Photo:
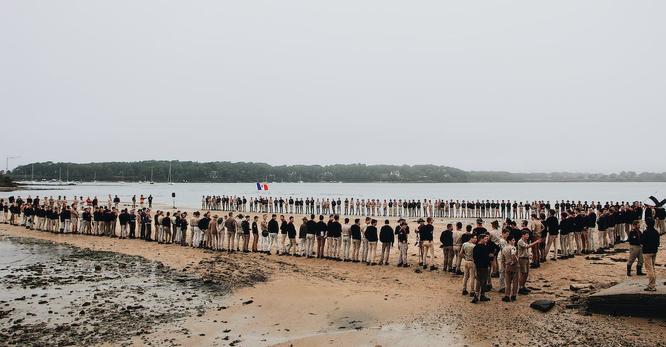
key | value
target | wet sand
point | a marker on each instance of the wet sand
(271, 300)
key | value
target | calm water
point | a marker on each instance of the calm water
(189, 194)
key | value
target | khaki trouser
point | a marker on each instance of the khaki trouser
(635, 252)
(470, 274)
(402, 247)
(510, 283)
(309, 244)
(458, 261)
(346, 243)
(386, 250)
(364, 250)
(552, 241)
(355, 247)
(428, 250)
(448, 257)
(372, 251)
(649, 267)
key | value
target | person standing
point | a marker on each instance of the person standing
(283, 235)
(650, 246)
(426, 238)
(246, 228)
(346, 237)
(364, 241)
(311, 235)
(635, 249)
(402, 231)
(255, 233)
(230, 225)
(371, 236)
(467, 254)
(481, 255)
(302, 236)
(291, 234)
(355, 231)
(511, 267)
(265, 243)
(321, 237)
(446, 238)
(523, 252)
(335, 233)
(387, 238)
(273, 229)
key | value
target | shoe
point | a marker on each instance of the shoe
(465, 292)
(381, 263)
(386, 263)
(472, 294)
(513, 298)
(489, 287)
(629, 270)
(367, 263)
(501, 290)
(425, 266)
(523, 291)
(475, 300)
(506, 299)
(433, 268)
(485, 298)
(399, 264)
(639, 271)
(373, 264)
(650, 289)
(459, 273)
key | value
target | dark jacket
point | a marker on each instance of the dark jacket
(650, 241)
(386, 234)
(446, 238)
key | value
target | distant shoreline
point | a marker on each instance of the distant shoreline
(248, 172)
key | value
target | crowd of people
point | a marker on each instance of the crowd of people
(507, 251)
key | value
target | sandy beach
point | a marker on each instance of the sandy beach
(275, 300)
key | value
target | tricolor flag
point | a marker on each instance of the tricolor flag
(262, 186)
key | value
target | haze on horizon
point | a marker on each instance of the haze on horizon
(523, 86)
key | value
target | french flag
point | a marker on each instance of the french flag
(262, 186)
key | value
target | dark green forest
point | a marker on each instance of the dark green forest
(189, 171)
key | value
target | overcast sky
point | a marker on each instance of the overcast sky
(479, 85)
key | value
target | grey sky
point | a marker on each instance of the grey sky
(493, 85)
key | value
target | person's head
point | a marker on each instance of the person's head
(256, 218)
(312, 216)
(429, 220)
(346, 220)
(636, 224)
(449, 226)
(373, 222)
(483, 239)
(336, 217)
(459, 225)
(479, 222)
(274, 217)
(321, 217)
(367, 220)
(357, 221)
(468, 228)
(247, 217)
(511, 240)
(291, 219)
(525, 235)
(282, 217)
(525, 223)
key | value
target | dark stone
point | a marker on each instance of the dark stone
(543, 305)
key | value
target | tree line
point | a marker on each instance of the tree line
(227, 172)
